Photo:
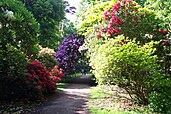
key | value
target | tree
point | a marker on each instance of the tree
(86, 5)
(67, 28)
(49, 14)
(18, 26)
(18, 37)
(163, 7)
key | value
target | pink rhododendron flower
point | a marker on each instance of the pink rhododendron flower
(116, 7)
(109, 32)
(99, 34)
(56, 67)
(116, 30)
(129, 0)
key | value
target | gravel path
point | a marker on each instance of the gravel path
(72, 100)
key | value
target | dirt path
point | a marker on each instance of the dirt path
(72, 100)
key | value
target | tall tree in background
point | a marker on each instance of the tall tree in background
(85, 5)
(49, 14)
(163, 7)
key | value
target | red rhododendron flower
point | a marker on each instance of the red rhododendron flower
(134, 19)
(120, 43)
(165, 43)
(124, 2)
(125, 42)
(135, 10)
(33, 72)
(127, 13)
(164, 31)
(108, 10)
(38, 88)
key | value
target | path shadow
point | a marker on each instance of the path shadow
(73, 100)
(85, 79)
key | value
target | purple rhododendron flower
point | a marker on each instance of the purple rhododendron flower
(68, 53)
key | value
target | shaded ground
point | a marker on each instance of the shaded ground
(72, 100)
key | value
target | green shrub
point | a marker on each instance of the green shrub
(129, 65)
(47, 57)
(12, 73)
(159, 101)
(18, 27)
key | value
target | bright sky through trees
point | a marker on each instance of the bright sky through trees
(74, 3)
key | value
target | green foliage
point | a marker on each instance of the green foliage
(67, 28)
(128, 65)
(159, 101)
(18, 36)
(163, 7)
(91, 19)
(141, 2)
(105, 101)
(49, 14)
(18, 27)
(129, 19)
(13, 62)
(47, 57)
(13, 73)
(86, 4)
(94, 16)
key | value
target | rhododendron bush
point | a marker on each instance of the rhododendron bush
(128, 18)
(68, 54)
(47, 57)
(138, 60)
(41, 80)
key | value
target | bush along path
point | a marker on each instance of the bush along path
(71, 100)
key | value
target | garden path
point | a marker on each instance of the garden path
(71, 100)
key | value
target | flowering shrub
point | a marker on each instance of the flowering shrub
(129, 65)
(68, 53)
(40, 79)
(128, 18)
(57, 74)
(47, 57)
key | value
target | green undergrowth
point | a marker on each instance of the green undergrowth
(69, 77)
(113, 100)
(62, 85)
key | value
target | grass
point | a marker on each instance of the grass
(69, 77)
(105, 101)
(96, 110)
(62, 85)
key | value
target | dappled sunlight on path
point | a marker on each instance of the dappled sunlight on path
(71, 100)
